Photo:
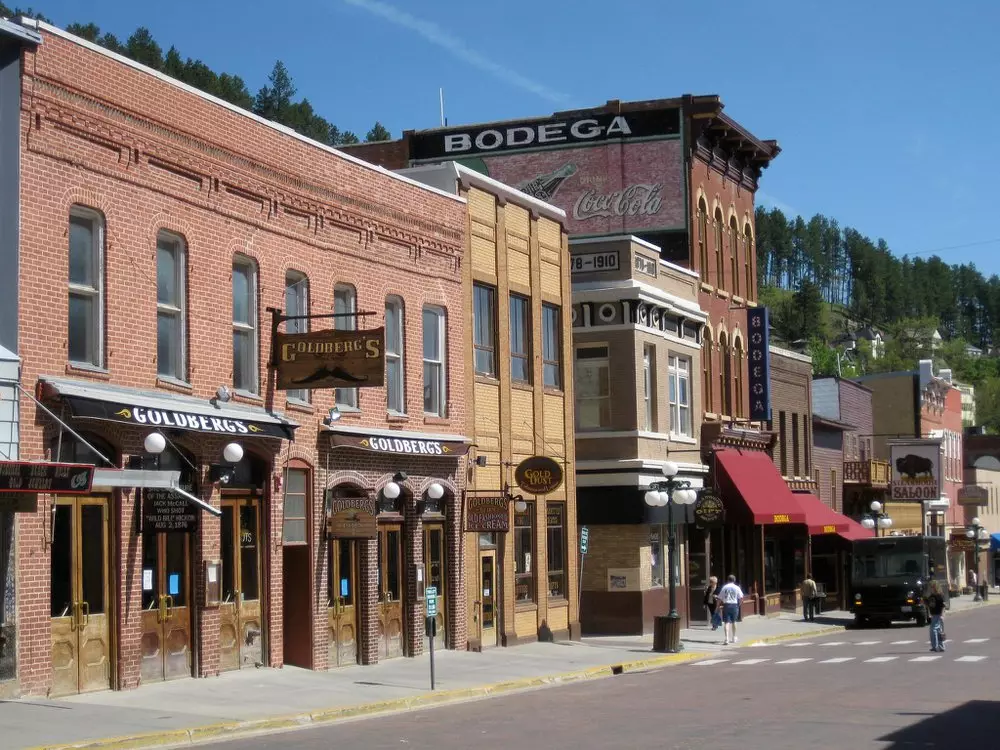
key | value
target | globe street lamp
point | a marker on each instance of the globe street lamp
(670, 492)
(976, 533)
(877, 519)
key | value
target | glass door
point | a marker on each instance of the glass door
(81, 633)
(434, 565)
(241, 620)
(390, 566)
(342, 609)
(487, 604)
(166, 613)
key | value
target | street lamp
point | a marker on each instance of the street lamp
(670, 492)
(877, 518)
(976, 533)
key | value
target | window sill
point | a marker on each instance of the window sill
(553, 390)
(395, 417)
(525, 607)
(739, 300)
(300, 406)
(687, 439)
(90, 370)
(722, 293)
(345, 409)
(706, 287)
(558, 600)
(436, 420)
(173, 384)
(247, 396)
(488, 379)
(520, 385)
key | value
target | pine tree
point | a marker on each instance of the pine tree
(378, 133)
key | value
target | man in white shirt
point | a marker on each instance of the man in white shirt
(731, 597)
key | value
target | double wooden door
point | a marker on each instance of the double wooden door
(390, 591)
(436, 572)
(342, 612)
(80, 602)
(487, 604)
(240, 613)
(166, 606)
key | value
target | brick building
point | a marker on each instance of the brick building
(516, 285)
(980, 498)
(157, 229)
(637, 344)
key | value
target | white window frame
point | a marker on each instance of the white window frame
(285, 518)
(648, 359)
(520, 301)
(297, 283)
(494, 342)
(595, 362)
(675, 375)
(79, 290)
(251, 327)
(179, 310)
(394, 352)
(346, 398)
(441, 317)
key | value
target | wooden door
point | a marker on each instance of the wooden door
(488, 603)
(166, 606)
(390, 565)
(81, 633)
(342, 612)
(436, 572)
(240, 614)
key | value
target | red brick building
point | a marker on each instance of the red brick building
(158, 226)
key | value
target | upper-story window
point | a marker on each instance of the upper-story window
(738, 379)
(345, 303)
(86, 287)
(734, 255)
(171, 328)
(725, 376)
(520, 339)
(679, 375)
(748, 251)
(395, 386)
(648, 378)
(593, 387)
(720, 267)
(708, 377)
(435, 395)
(551, 346)
(245, 324)
(296, 305)
(484, 329)
(703, 239)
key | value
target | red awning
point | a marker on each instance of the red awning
(758, 482)
(820, 517)
(856, 531)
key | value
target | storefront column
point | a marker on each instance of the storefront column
(208, 548)
(125, 555)
(368, 600)
(458, 623)
(413, 615)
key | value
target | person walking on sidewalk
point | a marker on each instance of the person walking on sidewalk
(935, 607)
(809, 595)
(712, 602)
(731, 596)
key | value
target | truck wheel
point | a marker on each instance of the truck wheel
(860, 621)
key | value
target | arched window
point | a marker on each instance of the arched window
(738, 379)
(748, 259)
(706, 371)
(734, 255)
(345, 302)
(703, 240)
(725, 376)
(720, 268)
(72, 451)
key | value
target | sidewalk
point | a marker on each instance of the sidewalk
(185, 711)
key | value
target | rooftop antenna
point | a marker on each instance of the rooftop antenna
(441, 99)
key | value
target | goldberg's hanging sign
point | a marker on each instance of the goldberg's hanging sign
(351, 516)
(759, 363)
(330, 359)
(487, 512)
(406, 446)
(538, 475)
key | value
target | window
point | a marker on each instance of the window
(524, 543)
(738, 379)
(435, 397)
(555, 537)
(484, 325)
(703, 239)
(86, 287)
(395, 390)
(244, 325)
(795, 445)
(297, 303)
(725, 377)
(706, 370)
(520, 339)
(734, 254)
(648, 357)
(656, 554)
(551, 346)
(720, 268)
(593, 388)
(345, 302)
(679, 376)
(170, 320)
(296, 503)
(781, 443)
(748, 251)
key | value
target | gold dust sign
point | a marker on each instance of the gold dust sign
(330, 359)
(538, 475)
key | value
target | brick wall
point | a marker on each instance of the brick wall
(791, 396)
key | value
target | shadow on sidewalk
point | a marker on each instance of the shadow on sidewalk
(976, 723)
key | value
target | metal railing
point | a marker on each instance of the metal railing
(872, 472)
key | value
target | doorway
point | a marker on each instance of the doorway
(81, 632)
(434, 565)
(241, 622)
(342, 604)
(487, 603)
(166, 606)
(390, 604)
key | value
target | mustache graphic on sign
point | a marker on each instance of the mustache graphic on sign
(330, 359)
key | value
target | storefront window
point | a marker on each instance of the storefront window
(524, 543)
(556, 540)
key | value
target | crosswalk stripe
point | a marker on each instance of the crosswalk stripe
(867, 643)
(970, 658)
(901, 643)
(838, 660)
(748, 662)
(799, 645)
(925, 658)
(792, 661)
(834, 643)
(976, 640)
(880, 659)
(709, 662)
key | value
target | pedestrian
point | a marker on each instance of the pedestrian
(935, 607)
(711, 602)
(731, 596)
(810, 599)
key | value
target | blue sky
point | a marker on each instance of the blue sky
(873, 102)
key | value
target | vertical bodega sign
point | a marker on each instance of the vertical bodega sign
(759, 364)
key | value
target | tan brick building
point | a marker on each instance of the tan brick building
(522, 585)
(158, 226)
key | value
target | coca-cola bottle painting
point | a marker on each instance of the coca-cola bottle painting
(546, 186)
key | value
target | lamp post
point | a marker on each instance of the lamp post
(976, 533)
(670, 492)
(878, 518)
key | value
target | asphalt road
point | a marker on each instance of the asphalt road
(872, 688)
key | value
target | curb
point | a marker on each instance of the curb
(795, 636)
(234, 729)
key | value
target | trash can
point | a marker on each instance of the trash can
(666, 634)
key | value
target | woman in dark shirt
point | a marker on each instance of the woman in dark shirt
(935, 607)
(712, 602)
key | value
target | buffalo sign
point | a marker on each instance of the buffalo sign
(916, 469)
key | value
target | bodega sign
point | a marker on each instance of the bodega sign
(538, 475)
(916, 469)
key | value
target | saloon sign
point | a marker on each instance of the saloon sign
(916, 469)
(538, 475)
(330, 359)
